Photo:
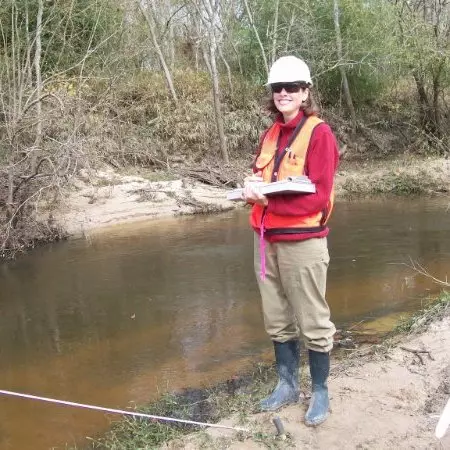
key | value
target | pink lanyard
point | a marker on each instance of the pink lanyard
(262, 251)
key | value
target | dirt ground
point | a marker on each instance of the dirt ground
(391, 399)
(108, 198)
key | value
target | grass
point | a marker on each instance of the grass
(141, 433)
(434, 309)
(402, 177)
(237, 397)
(393, 182)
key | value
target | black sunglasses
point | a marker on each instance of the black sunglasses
(290, 88)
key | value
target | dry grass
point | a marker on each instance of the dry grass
(433, 310)
(400, 176)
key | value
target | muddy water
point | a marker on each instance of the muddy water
(122, 317)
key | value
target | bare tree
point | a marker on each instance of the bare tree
(345, 86)
(209, 13)
(425, 30)
(288, 33)
(255, 30)
(152, 29)
(34, 162)
(37, 70)
(212, 7)
(228, 69)
(275, 32)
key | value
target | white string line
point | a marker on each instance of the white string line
(119, 411)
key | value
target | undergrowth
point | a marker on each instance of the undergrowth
(433, 310)
(401, 177)
(237, 397)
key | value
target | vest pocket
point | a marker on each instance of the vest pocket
(293, 162)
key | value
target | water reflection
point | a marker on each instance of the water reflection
(372, 244)
(161, 305)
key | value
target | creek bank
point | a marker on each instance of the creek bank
(386, 399)
(384, 395)
(112, 199)
(108, 198)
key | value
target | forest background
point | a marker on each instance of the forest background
(176, 86)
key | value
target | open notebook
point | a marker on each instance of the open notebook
(292, 185)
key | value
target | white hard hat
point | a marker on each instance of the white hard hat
(289, 69)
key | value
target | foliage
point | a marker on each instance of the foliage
(187, 132)
(237, 396)
(306, 29)
(132, 433)
(433, 310)
(71, 30)
(406, 177)
(425, 50)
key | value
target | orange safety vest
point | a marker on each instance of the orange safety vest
(277, 166)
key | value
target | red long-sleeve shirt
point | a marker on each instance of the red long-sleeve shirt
(321, 163)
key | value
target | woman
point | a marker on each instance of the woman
(291, 253)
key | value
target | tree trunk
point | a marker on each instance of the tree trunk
(227, 66)
(37, 72)
(345, 86)
(436, 88)
(206, 60)
(151, 28)
(238, 57)
(10, 198)
(28, 63)
(212, 9)
(275, 32)
(255, 30)
(171, 44)
(426, 119)
(288, 34)
(217, 105)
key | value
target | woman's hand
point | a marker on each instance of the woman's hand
(251, 194)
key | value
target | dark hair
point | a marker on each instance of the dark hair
(309, 107)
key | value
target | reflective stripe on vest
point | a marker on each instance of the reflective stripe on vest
(292, 164)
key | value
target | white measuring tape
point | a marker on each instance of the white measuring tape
(119, 411)
(441, 427)
(444, 422)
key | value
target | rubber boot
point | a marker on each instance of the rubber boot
(287, 357)
(319, 367)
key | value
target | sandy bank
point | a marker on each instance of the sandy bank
(113, 199)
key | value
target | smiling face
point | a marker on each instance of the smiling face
(288, 99)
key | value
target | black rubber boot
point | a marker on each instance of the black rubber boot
(287, 356)
(319, 367)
